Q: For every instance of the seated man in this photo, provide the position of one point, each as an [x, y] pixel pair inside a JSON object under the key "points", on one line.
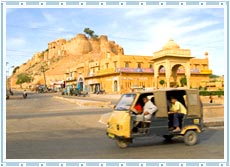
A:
{"points": [[148, 109], [178, 110]]}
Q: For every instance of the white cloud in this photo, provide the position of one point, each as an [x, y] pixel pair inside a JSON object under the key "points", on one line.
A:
{"points": [[36, 24], [15, 42], [50, 17], [137, 12]]}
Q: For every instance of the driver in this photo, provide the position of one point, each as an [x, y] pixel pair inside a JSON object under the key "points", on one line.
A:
{"points": [[138, 108]]}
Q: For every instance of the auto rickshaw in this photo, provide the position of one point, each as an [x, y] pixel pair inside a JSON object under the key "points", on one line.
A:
{"points": [[121, 125]]}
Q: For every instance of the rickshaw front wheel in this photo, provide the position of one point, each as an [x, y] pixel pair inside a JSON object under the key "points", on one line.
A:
{"points": [[190, 138], [122, 143]]}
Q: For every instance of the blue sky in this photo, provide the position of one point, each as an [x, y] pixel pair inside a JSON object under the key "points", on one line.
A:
{"points": [[140, 31]]}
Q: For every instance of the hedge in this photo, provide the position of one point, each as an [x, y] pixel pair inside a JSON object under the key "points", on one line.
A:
{"points": [[213, 93]]}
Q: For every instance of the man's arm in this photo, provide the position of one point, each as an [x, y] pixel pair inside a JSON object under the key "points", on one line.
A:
{"points": [[150, 109], [175, 108]]}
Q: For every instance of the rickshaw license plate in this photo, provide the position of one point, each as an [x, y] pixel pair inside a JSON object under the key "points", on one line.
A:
{"points": [[111, 135]]}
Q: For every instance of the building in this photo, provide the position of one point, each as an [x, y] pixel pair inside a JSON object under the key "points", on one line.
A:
{"points": [[119, 73]]}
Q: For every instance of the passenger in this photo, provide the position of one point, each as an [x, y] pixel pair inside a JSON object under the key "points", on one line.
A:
{"points": [[178, 110], [148, 109]]}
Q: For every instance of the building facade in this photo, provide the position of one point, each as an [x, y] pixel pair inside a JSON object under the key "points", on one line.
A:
{"points": [[118, 73]]}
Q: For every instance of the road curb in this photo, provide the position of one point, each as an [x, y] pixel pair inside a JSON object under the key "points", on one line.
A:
{"points": [[213, 124], [88, 103]]}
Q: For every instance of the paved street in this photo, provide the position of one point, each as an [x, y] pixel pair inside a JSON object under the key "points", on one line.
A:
{"points": [[42, 127]]}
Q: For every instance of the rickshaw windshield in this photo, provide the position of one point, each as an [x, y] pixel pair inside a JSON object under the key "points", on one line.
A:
{"points": [[125, 102]]}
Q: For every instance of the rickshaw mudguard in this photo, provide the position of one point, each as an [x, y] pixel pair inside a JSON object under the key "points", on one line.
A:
{"points": [[190, 127], [119, 124]]}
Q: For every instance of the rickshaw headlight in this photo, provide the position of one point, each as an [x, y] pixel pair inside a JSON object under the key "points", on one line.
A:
{"points": [[119, 127]]}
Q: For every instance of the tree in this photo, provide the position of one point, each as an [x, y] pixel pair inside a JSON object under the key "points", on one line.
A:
{"points": [[43, 68], [90, 32], [162, 82], [213, 76], [23, 78], [183, 81]]}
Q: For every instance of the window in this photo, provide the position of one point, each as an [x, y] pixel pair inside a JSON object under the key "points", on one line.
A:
{"points": [[150, 66], [115, 64], [125, 102], [126, 65], [138, 65], [107, 65]]}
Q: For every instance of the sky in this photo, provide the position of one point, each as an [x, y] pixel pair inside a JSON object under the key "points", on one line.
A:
{"points": [[140, 31]]}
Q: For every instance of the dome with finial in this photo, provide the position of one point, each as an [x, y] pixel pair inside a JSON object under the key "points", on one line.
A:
{"points": [[171, 44]]}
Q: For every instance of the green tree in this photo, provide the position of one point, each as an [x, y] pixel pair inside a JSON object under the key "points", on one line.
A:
{"points": [[23, 78], [213, 76], [183, 81], [90, 33], [162, 82]]}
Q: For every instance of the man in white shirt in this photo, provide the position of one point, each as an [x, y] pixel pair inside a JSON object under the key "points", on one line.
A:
{"points": [[148, 109]]}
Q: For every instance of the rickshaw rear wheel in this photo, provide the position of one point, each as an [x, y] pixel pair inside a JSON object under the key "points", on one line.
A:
{"points": [[122, 143], [190, 138]]}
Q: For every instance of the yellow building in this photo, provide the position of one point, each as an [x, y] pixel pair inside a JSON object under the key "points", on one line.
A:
{"points": [[123, 73]]}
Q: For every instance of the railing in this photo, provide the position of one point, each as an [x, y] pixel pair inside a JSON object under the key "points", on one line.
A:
{"points": [[147, 70]]}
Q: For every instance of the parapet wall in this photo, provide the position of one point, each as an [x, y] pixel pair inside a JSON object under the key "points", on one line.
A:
{"points": [[213, 111]]}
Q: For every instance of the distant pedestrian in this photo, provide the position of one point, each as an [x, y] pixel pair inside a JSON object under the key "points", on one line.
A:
{"points": [[210, 99], [24, 94]]}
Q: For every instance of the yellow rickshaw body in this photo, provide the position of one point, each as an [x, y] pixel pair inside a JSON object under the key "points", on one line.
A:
{"points": [[119, 124]]}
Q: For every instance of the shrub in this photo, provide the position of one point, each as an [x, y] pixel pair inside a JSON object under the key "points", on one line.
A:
{"points": [[218, 93]]}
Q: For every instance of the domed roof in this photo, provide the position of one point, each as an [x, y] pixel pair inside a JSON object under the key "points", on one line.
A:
{"points": [[171, 45]]}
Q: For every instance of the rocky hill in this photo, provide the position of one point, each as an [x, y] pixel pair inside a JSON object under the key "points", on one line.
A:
{"points": [[62, 55]]}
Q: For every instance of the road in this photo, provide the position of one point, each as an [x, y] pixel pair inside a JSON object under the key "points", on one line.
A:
{"points": [[42, 127]]}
